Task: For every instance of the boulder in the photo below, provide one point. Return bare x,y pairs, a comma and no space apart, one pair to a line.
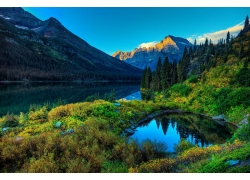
70,130
245,120
117,104
220,117
5,129
233,162
58,124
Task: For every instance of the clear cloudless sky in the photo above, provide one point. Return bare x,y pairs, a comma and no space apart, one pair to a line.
124,28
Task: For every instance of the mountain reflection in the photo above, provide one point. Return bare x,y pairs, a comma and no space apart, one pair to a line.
17,97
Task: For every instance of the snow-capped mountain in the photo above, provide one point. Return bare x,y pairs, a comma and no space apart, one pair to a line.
141,57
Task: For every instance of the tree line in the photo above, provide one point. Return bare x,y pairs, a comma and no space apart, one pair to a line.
203,57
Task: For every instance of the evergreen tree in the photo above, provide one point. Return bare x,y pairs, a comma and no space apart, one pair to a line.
105,97
246,25
174,74
242,54
191,51
195,46
228,37
206,43
156,81
166,74
112,96
182,68
143,80
148,78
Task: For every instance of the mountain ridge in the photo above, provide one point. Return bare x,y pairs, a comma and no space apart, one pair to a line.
141,57
62,51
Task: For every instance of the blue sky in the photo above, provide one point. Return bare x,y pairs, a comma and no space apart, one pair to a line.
125,28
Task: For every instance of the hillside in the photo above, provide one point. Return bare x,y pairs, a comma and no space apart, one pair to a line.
212,79
32,49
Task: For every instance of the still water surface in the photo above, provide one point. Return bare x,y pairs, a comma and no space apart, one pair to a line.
17,97
194,128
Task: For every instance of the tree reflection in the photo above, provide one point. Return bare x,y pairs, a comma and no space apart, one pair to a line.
197,129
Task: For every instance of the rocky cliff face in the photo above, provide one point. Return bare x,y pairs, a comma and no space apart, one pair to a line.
170,46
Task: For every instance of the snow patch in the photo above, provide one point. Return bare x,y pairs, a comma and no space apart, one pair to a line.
21,27
181,42
36,28
4,17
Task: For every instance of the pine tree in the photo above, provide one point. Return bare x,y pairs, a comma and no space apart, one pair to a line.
156,81
228,37
166,74
143,80
242,53
206,43
191,51
182,68
112,96
195,46
246,25
105,97
174,78
148,78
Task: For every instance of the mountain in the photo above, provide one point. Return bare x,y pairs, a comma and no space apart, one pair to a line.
32,49
170,46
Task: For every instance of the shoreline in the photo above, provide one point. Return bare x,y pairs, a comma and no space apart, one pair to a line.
177,111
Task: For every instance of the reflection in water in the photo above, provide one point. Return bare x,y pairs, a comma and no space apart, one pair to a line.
17,97
134,96
171,128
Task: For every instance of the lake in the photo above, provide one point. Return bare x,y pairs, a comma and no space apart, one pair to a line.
17,97
194,128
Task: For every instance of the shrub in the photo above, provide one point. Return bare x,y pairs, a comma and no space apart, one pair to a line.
193,79
114,167
60,112
182,146
217,165
242,133
242,78
10,121
181,89
38,114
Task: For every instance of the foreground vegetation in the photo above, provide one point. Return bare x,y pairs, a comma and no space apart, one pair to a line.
88,137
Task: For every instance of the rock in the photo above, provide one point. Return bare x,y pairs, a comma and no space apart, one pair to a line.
220,117
245,120
18,138
129,131
58,124
117,104
70,130
5,129
233,162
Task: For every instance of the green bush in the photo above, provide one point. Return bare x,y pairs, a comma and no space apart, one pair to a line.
10,121
217,165
38,114
114,167
242,133
182,146
181,89
193,79
242,78
226,98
